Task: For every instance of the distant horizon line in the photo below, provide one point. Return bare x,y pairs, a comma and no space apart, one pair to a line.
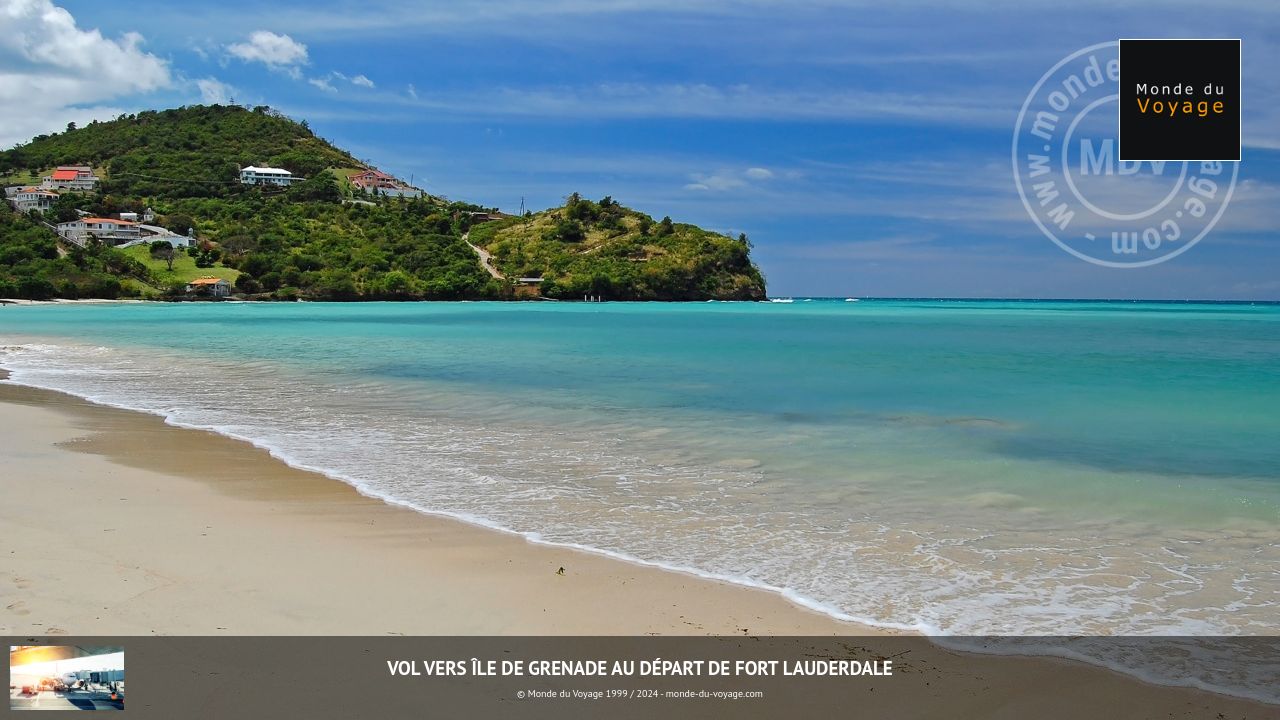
1180,301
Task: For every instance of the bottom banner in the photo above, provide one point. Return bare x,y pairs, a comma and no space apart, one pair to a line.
625,677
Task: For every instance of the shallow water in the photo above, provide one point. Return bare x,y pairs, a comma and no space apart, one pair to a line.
953,467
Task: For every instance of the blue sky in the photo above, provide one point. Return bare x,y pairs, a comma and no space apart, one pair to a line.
864,149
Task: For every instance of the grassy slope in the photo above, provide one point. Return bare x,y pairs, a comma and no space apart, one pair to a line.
343,177
21,177
184,267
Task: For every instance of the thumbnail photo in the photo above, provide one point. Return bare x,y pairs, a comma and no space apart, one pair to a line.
66,677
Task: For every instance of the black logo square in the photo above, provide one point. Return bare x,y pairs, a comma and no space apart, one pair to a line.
1179,100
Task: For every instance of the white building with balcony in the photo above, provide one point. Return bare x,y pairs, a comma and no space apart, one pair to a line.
32,198
267,176
71,177
109,231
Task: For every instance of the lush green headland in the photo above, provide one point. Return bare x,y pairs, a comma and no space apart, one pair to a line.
604,249
323,238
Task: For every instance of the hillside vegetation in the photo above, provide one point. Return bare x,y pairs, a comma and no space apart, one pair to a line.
32,265
604,249
318,239
187,152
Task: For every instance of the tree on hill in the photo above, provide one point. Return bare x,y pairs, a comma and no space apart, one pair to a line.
665,227
179,223
569,231
163,250
320,188
64,209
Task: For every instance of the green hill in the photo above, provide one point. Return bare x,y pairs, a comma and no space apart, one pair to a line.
186,152
316,239
602,248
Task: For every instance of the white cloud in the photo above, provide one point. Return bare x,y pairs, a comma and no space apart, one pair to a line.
215,92
723,180
278,52
413,91
324,84
52,72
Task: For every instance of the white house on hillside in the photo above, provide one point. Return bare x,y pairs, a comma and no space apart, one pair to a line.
266,176
32,198
71,177
107,230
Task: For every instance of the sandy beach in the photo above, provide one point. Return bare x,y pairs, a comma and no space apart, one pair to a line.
116,523
174,531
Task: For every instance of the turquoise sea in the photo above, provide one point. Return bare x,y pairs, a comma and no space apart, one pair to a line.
954,467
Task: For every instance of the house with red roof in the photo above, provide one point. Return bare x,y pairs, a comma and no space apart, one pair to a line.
70,177
27,199
110,231
209,286
376,182
372,178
